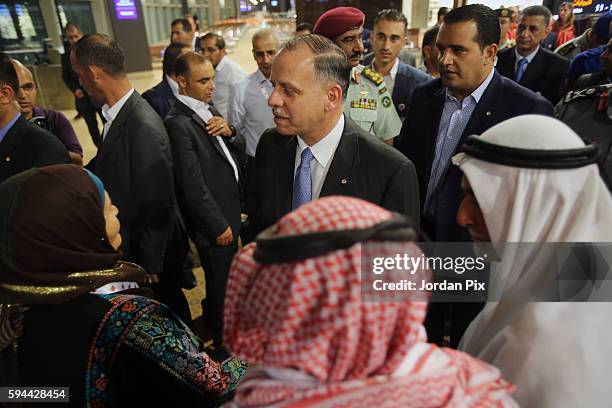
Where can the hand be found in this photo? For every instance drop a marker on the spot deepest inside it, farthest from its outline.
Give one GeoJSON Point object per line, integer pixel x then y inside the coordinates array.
{"type": "Point", "coordinates": [151, 279]}
{"type": "Point", "coordinates": [79, 94]}
{"type": "Point", "coordinates": [217, 126]}
{"type": "Point", "coordinates": [226, 238]}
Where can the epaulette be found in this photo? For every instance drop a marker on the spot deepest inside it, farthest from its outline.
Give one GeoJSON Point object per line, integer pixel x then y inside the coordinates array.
{"type": "Point", "coordinates": [594, 91]}
{"type": "Point", "coordinates": [567, 48]}
{"type": "Point", "coordinates": [373, 76]}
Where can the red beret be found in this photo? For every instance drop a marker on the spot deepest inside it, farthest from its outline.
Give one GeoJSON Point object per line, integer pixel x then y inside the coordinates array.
{"type": "Point", "coordinates": [337, 21]}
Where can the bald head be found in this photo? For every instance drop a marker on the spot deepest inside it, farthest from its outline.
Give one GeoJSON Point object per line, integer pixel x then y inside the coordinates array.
{"type": "Point", "coordinates": [26, 95]}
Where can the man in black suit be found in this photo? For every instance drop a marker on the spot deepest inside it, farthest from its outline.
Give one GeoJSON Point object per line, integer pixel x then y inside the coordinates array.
{"type": "Point", "coordinates": [163, 95]}
{"type": "Point", "coordinates": [207, 179]}
{"type": "Point", "coordinates": [467, 99]}
{"type": "Point", "coordinates": [530, 64]}
{"type": "Point", "coordinates": [388, 38]}
{"type": "Point", "coordinates": [23, 145]}
{"type": "Point", "coordinates": [82, 102]}
{"type": "Point", "coordinates": [135, 164]}
{"type": "Point", "coordinates": [317, 151]}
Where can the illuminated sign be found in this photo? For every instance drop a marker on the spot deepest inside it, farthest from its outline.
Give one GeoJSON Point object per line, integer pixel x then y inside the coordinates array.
{"type": "Point", "coordinates": [126, 10]}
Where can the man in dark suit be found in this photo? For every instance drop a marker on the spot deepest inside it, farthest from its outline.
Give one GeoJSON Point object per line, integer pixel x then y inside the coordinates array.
{"type": "Point", "coordinates": [207, 179]}
{"type": "Point", "coordinates": [83, 104]}
{"type": "Point", "coordinates": [467, 99]}
{"type": "Point", "coordinates": [135, 164]}
{"type": "Point", "coordinates": [163, 95]}
{"type": "Point", "coordinates": [317, 151]}
{"type": "Point", "coordinates": [530, 64]}
{"type": "Point", "coordinates": [23, 145]}
{"type": "Point", "coordinates": [388, 38]}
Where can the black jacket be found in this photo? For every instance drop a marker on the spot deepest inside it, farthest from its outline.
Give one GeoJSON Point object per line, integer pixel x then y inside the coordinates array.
{"type": "Point", "coordinates": [135, 165]}
{"type": "Point", "coordinates": [545, 74]}
{"type": "Point", "coordinates": [362, 167]}
{"type": "Point", "coordinates": [27, 145]}
{"type": "Point", "coordinates": [503, 99]}
{"type": "Point", "coordinates": [406, 80]}
{"type": "Point", "coordinates": [207, 191]}
{"type": "Point", "coordinates": [161, 98]}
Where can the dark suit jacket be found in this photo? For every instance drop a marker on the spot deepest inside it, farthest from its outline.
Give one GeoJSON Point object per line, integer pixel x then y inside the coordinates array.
{"type": "Point", "coordinates": [362, 167]}
{"type": "Point", "coordinates": [161, 98]}
{"type": "Point", "coordinates": [406, 80]}
{"type": "Point", "coordinates": [503, 99]}
{"type": "Point", "coordinates": [206, 187]}
{"type": "Point", "coordinates": [135, 165]}
{"type": "Point", "coordinates": [27, 145]}
{"type": "Point", "coordinates": [545, 74]}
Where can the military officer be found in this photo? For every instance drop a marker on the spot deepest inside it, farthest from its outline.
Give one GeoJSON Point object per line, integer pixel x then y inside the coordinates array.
{"type": "Point", "coordinates": [505, 19]}
{"type": "Point", "coordinates": [368, 101]}
{"type": "Point", "coordinates": [574, 47]}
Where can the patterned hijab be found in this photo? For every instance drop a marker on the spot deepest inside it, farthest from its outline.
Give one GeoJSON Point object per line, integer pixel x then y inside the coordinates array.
{"type": "Point", "coordinates": [319, 344]}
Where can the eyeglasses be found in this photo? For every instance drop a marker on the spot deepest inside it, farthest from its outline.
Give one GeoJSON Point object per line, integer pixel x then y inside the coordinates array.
{"type": "Point", "coordinates": [29, 87]}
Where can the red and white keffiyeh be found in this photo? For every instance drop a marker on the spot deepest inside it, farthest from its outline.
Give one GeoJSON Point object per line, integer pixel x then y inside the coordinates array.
{"type": "Point", "coordinates": [318, 344]}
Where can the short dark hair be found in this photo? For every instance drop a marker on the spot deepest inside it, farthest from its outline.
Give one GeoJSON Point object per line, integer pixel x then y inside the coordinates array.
{"type": "Point", "coordinates": [443, 11]}
{"type": "Point", "coordinates": [70, 25]}
{"type": "Point", "coordinates": [391, 15]}
{"type": "Point", "coordinates": [171, 53]}
{"type": "Point", "coordinates": [537, 11]}
{"type": "Point", "coordinates": [304, 27]}
{"type": "Point", "coordinates": [8, 75]}
{"type": "Point", "coordinates": [184, 22]}
{"type": "Point", "coordinates": [219, 41]}
{"type": "Point", "coordinates": [330, 62]}
{"type": "Point", "coordinates": [182, 65]}
{"type": "Point", "coordinates": [101, 51]}
{"type": "Point", "coordinates": [429, 38]}
{"type": "Point", "coordinates": [485, 18]}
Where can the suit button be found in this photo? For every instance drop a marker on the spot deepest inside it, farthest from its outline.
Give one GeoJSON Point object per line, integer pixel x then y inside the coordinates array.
{"type": "Point", "coordinates": [344, 181]}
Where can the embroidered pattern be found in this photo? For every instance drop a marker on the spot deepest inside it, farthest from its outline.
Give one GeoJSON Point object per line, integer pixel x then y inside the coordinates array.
{"type": "Point", "coordinates": [151, 329]}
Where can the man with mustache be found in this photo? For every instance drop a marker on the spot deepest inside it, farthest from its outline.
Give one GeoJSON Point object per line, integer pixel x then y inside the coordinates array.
{"type": "Point", "coordinates": [467, 99]}
{"type": "Point", "coordinates": [207, 179]}
{"type": "Point", "coordinates": [368, 101]}
{"type": "Point", "coordinates": [316, 150]}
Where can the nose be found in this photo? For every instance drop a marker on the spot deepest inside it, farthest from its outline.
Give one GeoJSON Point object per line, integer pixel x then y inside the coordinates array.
{"type": "Point", "coordinates": [358, 46]}
{"type": "Point", "coordinates": [274, 100]}
{"type": "Point", "coordinates": [387, 44]}
{"type": "Point", "coordinates": [465, 214]}
{"type": "Point", "coordinates": [445, 58]}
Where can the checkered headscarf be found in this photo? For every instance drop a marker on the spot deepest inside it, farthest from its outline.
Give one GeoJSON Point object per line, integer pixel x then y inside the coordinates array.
{"type": "Point", "coordinates": [307, 322]}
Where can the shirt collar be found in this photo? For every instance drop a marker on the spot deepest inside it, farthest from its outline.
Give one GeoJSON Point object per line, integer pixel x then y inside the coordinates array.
{"type": "Point", "coordinates": [198, 106]}
{"type": "Point", "coordinates": [393, 72]}
{"type": "Point", "coordinates": [221, 64]}
{"type": "Point", "coordinates": [528, 57]}
{"type": "Point", "coordinates": [111, 112]}
{"type": "Point", "coordinates": [478, 92]}
{"type": "Point", "coordinates": [173, 85]}
{"type": "Point", "coordinates": [5, 129]}
{"type": "Point", "coordinates": [261, 78]}
{"type": "Point", "coordinates": [324, 149]}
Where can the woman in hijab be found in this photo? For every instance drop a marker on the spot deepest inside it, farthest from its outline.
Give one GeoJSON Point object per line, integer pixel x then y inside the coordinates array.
{"type": "Point", "coordinates": [70, 314]}
{"type": "Point", "coordinates": [556, 353]}
{"type": "Point", "coordinates": [318, 343]}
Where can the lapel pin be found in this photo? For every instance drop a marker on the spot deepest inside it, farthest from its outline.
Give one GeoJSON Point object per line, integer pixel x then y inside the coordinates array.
{"type": "Point", "coordinates": [344, 181]}
{"type": "Point", "coordinates": [7, 158]}
{"type": "Point", "coordinates": [488, 113]}
{"type": "Point", "coordinates": [401, 107]}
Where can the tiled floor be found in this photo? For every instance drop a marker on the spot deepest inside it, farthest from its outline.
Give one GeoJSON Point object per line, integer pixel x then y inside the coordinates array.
{"type": "Point", "coordinates": [241, 53]}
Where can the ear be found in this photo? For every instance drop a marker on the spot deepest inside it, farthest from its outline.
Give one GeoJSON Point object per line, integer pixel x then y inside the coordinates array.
{"type": "Point", "coordinates": [334, 98]}
{"type": "Point", "coordinates": [95, 72]}
{"type": "Point", "coordinates": [548, 28]}
{"type": "Point", "coordinates": [372, 36]}
{"type": "Point", "coordinates": [490, 52]}
{"type": "Point", "coordinates": [6, 95]}
{"type": "Point", "coordinates": [181, 81]}
{"type": "Point", "coordinates": [426, 50]}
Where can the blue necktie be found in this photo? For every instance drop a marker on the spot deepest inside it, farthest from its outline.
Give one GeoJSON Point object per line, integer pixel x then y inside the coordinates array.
{"type": "Point", "coordinates": [520, 69]}
{"type": "Point", "coordinates": [302, 185]}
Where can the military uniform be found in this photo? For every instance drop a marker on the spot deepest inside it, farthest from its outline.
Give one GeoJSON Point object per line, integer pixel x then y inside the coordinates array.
{"type": "Point", "coordinates": [574, 47]}
{"type": "Point", "coordinates": [589, 113]}
{"type": "Point", "coordinates": [369, 104]}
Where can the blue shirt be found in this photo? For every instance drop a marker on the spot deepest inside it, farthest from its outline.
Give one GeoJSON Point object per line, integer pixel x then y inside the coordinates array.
{"type": "Point", "coordinates": [8, 126]}
{"type": "Point", "coordinates": [587, 62]}
{"type": "Point", "coordinates": [455, 117]}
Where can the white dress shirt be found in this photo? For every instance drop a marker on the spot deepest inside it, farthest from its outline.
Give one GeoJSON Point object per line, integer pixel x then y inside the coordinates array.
{"type": "Point", "coordinates": [248, 108]}
{"type": "Point", "coordinates": [111, 112]}
{"type": "Point", "coordinates": [173, 85]}
{"type": "Point", "coordinates": [201, 109]}
{"type": "Point", "coordinates": [528, 57]}
{"type": "Point", "coordinates": [323, 152]}
{"type": "Point", "coordinates": [227, 74]}
{"type": "Point", "coordinates": [390, 77]}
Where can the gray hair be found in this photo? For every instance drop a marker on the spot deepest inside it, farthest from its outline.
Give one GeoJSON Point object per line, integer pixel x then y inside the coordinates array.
{"type": "Point", "coordinates": [537, 11]}
{"type": "Point", "coordinates": [330, 62]}
{"type": "Point", "coordinates": [264, 33]}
